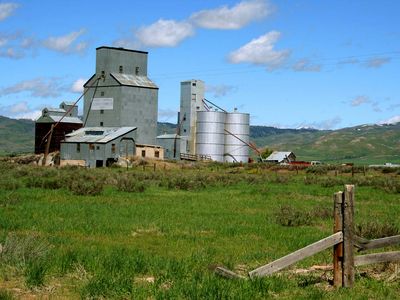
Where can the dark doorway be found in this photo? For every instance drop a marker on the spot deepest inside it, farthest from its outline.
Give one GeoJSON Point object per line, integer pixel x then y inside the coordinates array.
{"type": "Point", "coordinates": [99, 163]}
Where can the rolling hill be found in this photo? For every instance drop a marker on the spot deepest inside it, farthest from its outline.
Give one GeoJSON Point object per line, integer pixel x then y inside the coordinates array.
{"type": "Point", "coordinates": [363, 144]}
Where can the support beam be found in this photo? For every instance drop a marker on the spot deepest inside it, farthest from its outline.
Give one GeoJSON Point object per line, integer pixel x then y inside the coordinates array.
{"type": "Point", "coordinates": [376, 258]}
{"type": "Point", "coordinates": [348, 233]}
{"type": "Point", "coordinates": [296, 256]}
{"type": "Point", "coordinates": [338, 248]}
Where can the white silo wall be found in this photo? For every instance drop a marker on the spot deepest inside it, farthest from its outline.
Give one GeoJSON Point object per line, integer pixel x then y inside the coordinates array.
{"type": "Point", "coordinates": [239, 125]}
{"type": "Point", "coordinates": [210, 137]}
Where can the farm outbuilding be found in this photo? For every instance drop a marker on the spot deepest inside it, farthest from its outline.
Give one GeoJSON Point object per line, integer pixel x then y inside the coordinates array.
{"type": "Point", "coordinates": [281, 157]}
{"type": "Point", "coordinates": [52, 116]}
{"type": "Point", "coordinates": [98, 146]}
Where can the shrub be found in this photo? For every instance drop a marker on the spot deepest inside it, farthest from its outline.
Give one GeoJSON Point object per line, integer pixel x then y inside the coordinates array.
{"type": "Point", "coordinates": [21, 250]}
{"type": "Point", "coordinates": [130, 184]}
{"type": "Point", "coordinates": [289, 216]}
{"type": "Point", "coordinates": [318, 170]}
{"type": "Point", "coordinates": [86, 187]}
{"type": "Point", "coordinates": [373, 229]}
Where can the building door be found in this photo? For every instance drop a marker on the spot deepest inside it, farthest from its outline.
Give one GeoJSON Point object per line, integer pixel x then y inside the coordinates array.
{"type": "Point", "coordinates": [99, 163]}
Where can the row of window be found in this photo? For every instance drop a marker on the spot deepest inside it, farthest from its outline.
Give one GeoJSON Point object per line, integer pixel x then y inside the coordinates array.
{"type": "Point", "coordinates": [121, 70]}
{"type": "Point", "coordinates": [91, 147]}
{"type": "Point", "coordinates": [113, 149]}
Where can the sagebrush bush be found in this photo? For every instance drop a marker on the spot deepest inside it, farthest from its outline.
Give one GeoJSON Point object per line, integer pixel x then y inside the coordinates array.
{"type": "Point", "coordinates": [130, 184]}
{"type": "Point", "coordinates": [9, 184]}
{"type": "Point", "coordinates": [86, 187]}
{"type": "Point", "coordinates": [373, 229]}
{"type": "Point", "coordinates": [290, 216]}
{"type": "Point", "coordinates": [318, 170]}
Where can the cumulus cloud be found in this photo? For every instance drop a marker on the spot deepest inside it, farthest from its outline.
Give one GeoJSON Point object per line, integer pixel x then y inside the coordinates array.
{"type": "Point", "coordinates": [164, 33]}
{"type": "Point", "coordinates": [66, 43]}
{"type": "Point", "coordinates": [260, 51]}
{"type": "Point", "coordinates": [304, 65]}
{"type": "Point", "coordinates": [38, 87]}
{"type": "Point", "coordinates": [377, 62]}
{"type": "Point", "coordinates": [219, 90]}
{"type": "Point", "coordinates": [7, 9]}
{"type": "Point", "coordinates": [234, 17]}
{"type": "Point", "coordinates": [19, 110]}
{"type": "Point", "coordinates": [392, 120]}
{"type": "Point", "coordinates": [360, 100]}
{"type": "Point", "coordinates": [77, 86]}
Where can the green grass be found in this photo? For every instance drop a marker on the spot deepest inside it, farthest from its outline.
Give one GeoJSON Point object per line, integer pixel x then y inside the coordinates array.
{"type": "Point", "coordinates": [164, 241]}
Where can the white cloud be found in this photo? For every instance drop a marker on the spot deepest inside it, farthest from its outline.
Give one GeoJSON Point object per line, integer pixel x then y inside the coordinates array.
{"type": "Point", "coordinates": [304, 65]}
{"type": "Point", "coordinates": [359, 100]}
{"type": "Point", "coordinates": [164, 33]}
{"type": "Point", "coordinates": [38, 87]}
{"type": "Point", "coordinates": [377, 62]}
{"type": "Point", "coordinates": [19, 110]}
{"type": "Point", "coordinates": [219, 90]}
{"type": "Point", "coordinates": [392, 120]}
{"type": "Point", "coordinates": [235, 17]}
{"type": "Point", "coordinates": [77, 86]}
{"type": "Point", "coordinates": [7, 9]}
{"type": "Point", "coordinates": [260, 51]}
{"type": "Point", "coordinates": [66, 43]}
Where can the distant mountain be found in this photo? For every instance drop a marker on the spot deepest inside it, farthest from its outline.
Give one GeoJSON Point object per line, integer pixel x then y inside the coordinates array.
{"type": "Point", "coordinates": [361, 144]}
{"type": "Point", "coordinates": [16, 136]}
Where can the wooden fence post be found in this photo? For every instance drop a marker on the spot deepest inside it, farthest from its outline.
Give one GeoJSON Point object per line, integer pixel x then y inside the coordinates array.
{"type": "Point", "coordinates": [348, 237]}
{"type": "Point", "coordinates": [337, 249]}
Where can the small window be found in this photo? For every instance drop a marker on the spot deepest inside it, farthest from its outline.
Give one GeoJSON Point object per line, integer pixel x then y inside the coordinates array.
{"type": "Point", "coordinates": [78, 148]}
{"type": "Point", "coordinates": [194, 84]}
{"type": "Point", "coordinates": [184, 130]}
{"type": "Point", "coordinates": [113, 148]}
{"type": "Point", "coordinates": [157, 154]}
{"type": "Point", "coordinates": [143, 153]}
{"type": "Point", "coordinates": [101, 111]}
{"type": "Point", "coordinates": [121, 69]}
{"type": "Point", "coordinates": [197, 107]}
{"type": "Point", "coordinates": [97, 147]}
{"type": "Point", "coordinates": [103, 74]}
{"type": "Point", "coordinates": [102, 94]}
{"type": "Point", "coordinates": [137, 70]}
{"type": "Point", "coordinates": [101, 124]}
{"type": "Point", "coordinates": [91, 147]}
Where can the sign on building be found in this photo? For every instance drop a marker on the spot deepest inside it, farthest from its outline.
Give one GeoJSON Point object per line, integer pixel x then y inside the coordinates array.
{"type": "Point", "coordinates": [102, 103]}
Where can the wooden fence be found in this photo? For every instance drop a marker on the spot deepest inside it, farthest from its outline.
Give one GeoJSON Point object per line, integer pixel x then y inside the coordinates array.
{"type": "Point", "coordinates": [343, 240]}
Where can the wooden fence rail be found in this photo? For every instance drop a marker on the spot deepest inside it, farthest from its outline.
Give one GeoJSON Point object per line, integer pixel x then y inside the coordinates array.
{"type": "Point", "coordinates": [343, 241]}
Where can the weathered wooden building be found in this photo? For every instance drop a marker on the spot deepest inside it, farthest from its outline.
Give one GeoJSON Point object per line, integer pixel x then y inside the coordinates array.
{"type": "Point", "coordinates": [52, 116]}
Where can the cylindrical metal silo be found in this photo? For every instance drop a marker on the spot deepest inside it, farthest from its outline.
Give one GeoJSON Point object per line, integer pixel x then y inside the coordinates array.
{"type": "Point", "coordinates": [238, 126]}
{"type": "Point", "coordinates": [210, 137]}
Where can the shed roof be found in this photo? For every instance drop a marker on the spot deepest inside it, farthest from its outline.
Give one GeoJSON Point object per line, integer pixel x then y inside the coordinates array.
{"type": "Point", "coordinates": [69, 103]}
{"type": "Point", "coordinates": [100, 135]}
{"type": "Point", "coordinates": [57, 118]}
{"type": "Point", "coordinates": [279, 156]}
{"type": "Point", "coordinates": [134, 80]}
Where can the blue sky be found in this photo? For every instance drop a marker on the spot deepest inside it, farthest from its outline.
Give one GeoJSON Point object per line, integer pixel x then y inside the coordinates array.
{"type": "Point", "coordinates": [323, 64]}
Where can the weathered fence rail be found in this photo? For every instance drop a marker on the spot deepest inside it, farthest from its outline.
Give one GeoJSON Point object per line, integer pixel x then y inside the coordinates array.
{"type": "Point", "coordinates": [343, 241]}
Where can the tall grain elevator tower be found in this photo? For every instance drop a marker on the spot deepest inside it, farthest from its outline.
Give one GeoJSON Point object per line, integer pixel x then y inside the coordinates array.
{"type": "Point", "coordinates": [192, 95]}
{"type": "Point", "coordinates": [124, 95]}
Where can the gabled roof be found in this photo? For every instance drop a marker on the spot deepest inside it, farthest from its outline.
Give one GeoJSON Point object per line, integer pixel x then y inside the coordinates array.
{"type": "Point", "coordinates": [279, 156]}
{"type": "Point", "coordinates": [68, 103]}
{"type": "Point", "coordinates": [134, 80]}
{"type": "Point", "coordinates": [57, 118]}
{"type": "Point", "coordinates": [100, 135]}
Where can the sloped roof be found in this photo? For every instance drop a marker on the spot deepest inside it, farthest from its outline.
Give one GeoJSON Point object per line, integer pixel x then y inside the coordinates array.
{"type": "Point", "coordinates": [69, 103]}
{"type": "Point", "coordinates": [57, 118]}
{"type": "Point", "coordinates": [279, 156]}
{"type": "Point", "coordinates": [134, 80]}
{"type": "Point", "coordinates": [99, 135]}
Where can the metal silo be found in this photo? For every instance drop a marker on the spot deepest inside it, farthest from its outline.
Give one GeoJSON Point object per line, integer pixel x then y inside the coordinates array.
{"type": "Point", "coordinates": [236, 148]}
{"type": "Point", "coordinates": [210, 137]}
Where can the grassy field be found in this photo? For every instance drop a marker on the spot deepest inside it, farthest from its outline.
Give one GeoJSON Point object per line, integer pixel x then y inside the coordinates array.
{"type": "Point", "coordinates": [140, 234]}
